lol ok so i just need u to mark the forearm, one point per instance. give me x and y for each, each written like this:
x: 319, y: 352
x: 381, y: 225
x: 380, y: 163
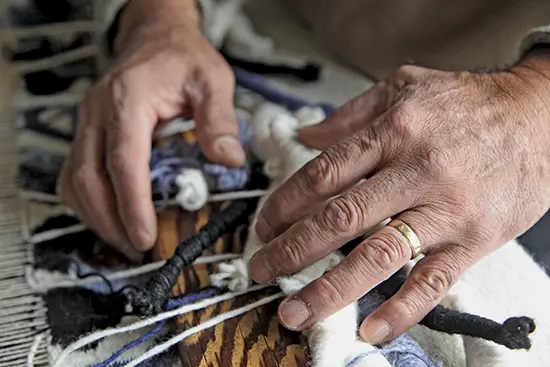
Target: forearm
x: 150, y: 15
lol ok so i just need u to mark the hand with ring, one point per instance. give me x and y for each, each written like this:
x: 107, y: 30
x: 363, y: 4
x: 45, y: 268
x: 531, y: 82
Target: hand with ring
x: 459, y: 160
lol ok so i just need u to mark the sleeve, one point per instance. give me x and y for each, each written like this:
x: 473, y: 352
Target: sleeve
x: 538, y: 37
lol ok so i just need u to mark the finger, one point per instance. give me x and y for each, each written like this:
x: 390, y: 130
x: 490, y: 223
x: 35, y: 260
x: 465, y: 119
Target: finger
x: 129, y: 137
x: 336, y: 169
x: 341, y: 220
x: 425, y: 287
x: 371, y: 262
x: 348, y: 118
x: 217, y: 128
x: 68, y: 195
x: 91, y: 181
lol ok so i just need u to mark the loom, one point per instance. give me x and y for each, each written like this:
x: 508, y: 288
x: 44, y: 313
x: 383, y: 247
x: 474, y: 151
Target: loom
x: 153, y: 299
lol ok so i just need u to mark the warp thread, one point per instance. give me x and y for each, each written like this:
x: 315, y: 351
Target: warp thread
x: 513, y: 333
x: 202, y: 304
x: 170, y: 305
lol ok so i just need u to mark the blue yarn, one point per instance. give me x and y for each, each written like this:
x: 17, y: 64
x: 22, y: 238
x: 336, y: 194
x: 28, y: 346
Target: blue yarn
x: 166, y: 164
x: 258, y: 84
x: 245, y: 132
x: 358, y: 358
x: 170, y: 305
x: 142, y: 339
x: 173, y: 303
x: 404, y: 351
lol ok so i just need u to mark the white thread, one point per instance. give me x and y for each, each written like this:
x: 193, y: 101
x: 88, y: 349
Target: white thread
x: 233, y: 275
x: 34, y: 348
x: 56, y: 233
x: 309, y: 116
x: 150, y: 321
x: 53, y: 29
x: 193, y: 189
x: 236, y: 195
x: 261, y: 142
x: 42, y: 281
x: 224, y: 196
x: 333, y: 341
x: 57, y: 60
x: 203, y: 326
x: 174, y: 127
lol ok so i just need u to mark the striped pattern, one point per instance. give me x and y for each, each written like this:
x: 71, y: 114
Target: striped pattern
x: 22, y: 313
x: 254, y: 339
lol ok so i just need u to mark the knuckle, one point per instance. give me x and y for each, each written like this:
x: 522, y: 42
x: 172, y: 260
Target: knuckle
x: 343, y: 215
x: 386, y: 250
x: 355, y: 147
x: 434, y: 282
x: 402, y: 121
x: 290, y: 254
x: 436, y: 164
x: 117, y: 161
x: 321, y: 174
x: 404, y: 71
x: 329, y: 294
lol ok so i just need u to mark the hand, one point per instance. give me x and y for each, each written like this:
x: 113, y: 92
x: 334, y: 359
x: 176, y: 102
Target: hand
x: 462, y: 158
x: 165, y: 68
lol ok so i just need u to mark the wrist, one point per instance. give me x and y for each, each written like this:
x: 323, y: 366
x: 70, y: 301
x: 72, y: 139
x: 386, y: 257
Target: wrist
x: 146, y: 17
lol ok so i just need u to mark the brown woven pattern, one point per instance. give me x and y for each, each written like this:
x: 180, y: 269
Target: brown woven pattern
x: 253, y: 339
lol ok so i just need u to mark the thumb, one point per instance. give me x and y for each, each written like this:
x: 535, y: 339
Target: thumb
x: 347, y: 119
x: 216, y: 122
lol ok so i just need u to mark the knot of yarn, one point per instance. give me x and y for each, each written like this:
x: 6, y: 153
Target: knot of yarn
x: 179, y: 170
x: 193, y: 189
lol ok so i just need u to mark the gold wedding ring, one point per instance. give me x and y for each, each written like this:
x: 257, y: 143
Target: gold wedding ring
x: 409, y: 234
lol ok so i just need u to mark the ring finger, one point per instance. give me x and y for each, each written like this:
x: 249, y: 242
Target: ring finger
x: 339, y: 221
x: 371, y: 262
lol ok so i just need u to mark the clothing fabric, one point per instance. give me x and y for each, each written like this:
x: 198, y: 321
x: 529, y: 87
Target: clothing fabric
x: 378, y: 36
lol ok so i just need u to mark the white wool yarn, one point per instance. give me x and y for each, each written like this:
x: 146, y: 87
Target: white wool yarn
x: 192, y: 189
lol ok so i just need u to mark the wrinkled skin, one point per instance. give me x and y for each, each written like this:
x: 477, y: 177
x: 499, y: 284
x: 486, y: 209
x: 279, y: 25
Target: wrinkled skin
x: 462, y: 158
x: 163, y: 70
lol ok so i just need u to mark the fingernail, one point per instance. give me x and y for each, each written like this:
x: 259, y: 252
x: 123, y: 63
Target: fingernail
x: 229, y: 148
x: 259, y: 271
x: 293, y: 313
x: 141, y: 238
x: 375, y: 331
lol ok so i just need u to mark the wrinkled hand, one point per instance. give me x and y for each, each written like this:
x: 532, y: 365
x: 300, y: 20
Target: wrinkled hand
x: 164, y: 70
x: 462, y: 158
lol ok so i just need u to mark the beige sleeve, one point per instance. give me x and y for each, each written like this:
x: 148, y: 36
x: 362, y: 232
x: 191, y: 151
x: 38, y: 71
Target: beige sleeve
x: 536, y: 36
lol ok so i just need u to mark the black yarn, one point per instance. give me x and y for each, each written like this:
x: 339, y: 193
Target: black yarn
x: 309, y: 73
x: 151, y: 301
x: 73, y: 312
x: 513, y: 333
